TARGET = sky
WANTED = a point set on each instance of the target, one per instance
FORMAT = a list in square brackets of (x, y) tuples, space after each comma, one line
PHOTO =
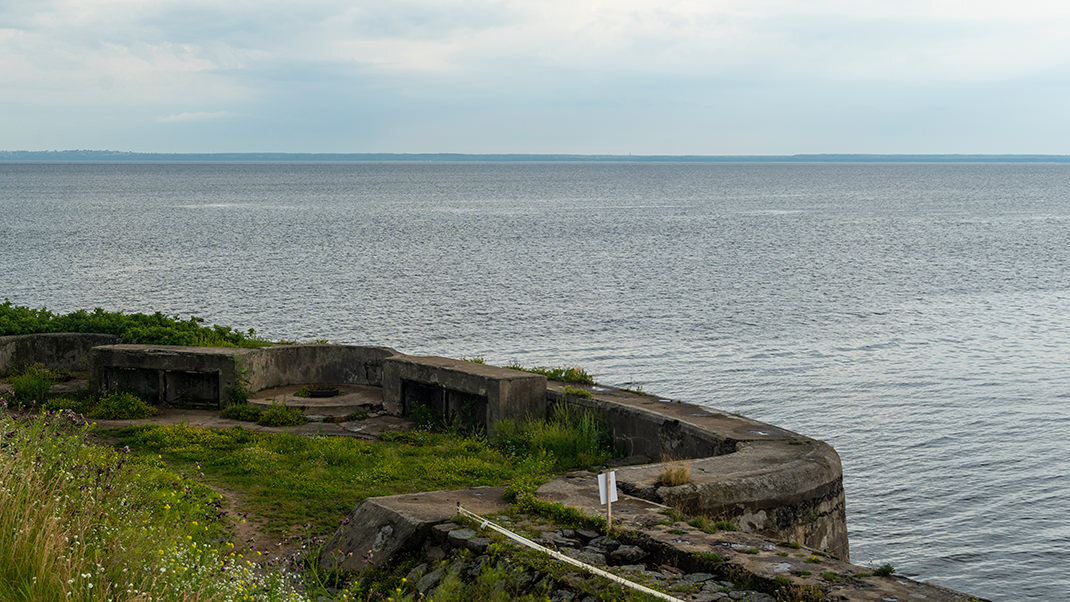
[(677, 77)]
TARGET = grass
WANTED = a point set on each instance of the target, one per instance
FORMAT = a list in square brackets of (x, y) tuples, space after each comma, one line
[(31, 386), (576, 438), (152, 329), (675, 473), (293, 480), (573, 374), (79, 521)]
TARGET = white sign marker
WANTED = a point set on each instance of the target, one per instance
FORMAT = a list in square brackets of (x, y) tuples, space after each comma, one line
[(607, 485)]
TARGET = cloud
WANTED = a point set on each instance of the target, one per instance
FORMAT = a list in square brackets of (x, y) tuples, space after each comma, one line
[(195, 116), (395, 62)]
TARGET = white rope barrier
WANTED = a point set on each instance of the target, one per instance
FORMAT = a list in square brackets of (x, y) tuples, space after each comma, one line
[(484, 523)]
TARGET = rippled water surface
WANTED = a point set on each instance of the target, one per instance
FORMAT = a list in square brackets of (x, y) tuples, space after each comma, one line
[(914, 316)]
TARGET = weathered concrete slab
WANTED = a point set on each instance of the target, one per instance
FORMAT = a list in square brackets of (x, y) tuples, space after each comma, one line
[(752, 554), (473, 393), (58, 351), (382, 527)]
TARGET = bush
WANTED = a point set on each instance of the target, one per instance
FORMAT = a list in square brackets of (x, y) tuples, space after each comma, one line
[(31, 387), (152, 329), (121, 406), (281, 415), (242, 411), (56, 404)]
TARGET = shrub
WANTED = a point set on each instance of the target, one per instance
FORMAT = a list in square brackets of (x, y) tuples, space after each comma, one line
[(31, 387), (56, 404), (121, 406), (884, 570), (242, 411), (279, 414), (155, 329)]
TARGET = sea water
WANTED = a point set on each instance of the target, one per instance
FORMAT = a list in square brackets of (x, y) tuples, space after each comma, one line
[(916, 317)]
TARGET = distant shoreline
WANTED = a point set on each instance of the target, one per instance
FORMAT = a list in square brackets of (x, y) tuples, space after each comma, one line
[(104, 156)]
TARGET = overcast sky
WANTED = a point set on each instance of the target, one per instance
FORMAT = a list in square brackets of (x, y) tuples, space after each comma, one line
[(547, 76)]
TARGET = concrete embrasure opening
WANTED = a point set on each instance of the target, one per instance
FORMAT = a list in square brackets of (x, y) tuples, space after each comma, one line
[(440, 403)]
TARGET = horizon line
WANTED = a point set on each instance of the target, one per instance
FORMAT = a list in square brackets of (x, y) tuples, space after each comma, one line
[(87, 155)]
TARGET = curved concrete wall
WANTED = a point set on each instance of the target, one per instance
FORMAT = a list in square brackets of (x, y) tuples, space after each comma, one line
[(762, 478), (301, 364), (59, 351)]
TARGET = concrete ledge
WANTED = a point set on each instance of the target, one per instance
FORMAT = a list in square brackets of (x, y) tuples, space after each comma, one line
[(762, 478), (59, 351)]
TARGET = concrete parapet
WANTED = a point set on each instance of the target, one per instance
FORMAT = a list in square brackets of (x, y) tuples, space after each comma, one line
[(762, 478), (302, 364), (59, 351), (477, 394)]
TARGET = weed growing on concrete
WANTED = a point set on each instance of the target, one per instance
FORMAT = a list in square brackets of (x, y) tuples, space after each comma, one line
[(574, 374), (885, 570), (675, 473), (576, 392)]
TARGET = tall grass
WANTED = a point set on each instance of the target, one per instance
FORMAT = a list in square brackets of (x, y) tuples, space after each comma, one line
[(83, 522), (576, 438)]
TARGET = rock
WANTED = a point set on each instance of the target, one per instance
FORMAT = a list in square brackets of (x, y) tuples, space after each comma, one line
[(441, 531), (562, 595), (478, 545), (627, 555), (429, 580), (710, 597), (605, 543), (700, 577), (416, 573), (435, 553), (458, 538), (588, 556), (586, 534)]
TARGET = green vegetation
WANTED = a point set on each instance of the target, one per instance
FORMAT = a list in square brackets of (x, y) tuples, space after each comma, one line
[(83, 522), (576, 438), (120, 406), (242, 411), (155, 329), (574, 374), (31, 387), (885, 570), (279, 414), (293, 480), (576, 392)]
